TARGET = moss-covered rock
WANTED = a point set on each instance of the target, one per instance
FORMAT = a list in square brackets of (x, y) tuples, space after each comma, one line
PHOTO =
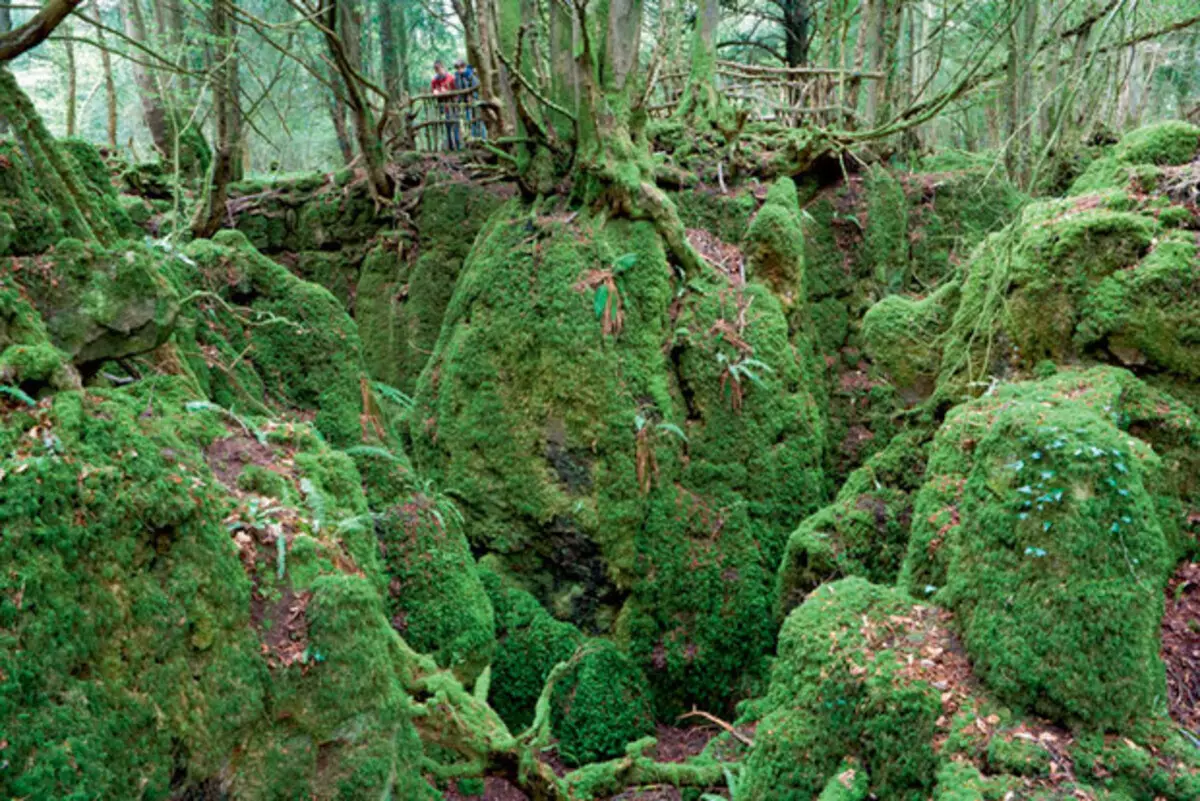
[(1164, 143), (775, 243), (34, 223), (291, 343), (839, 689), (599, 704), (98, 303), (145, 650), (529, 643), (864, 532), (436, 599), (1044, 522), (901, 335), (1093, 278), (561, 401)]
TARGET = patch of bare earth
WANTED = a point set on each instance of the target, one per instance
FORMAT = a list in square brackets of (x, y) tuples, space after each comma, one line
[(1181, 645)]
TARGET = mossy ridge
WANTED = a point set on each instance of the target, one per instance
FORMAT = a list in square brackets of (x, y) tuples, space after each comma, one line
[(1139, 156), (567, 444), (294, 344)]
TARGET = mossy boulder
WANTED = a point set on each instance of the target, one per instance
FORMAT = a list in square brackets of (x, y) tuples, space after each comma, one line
[(864, 532), (1048, 530), (1139, 157), (600, 704), (638, 467), (840, 688), (435, 597), (143, 646), (901, 336), (1095, 278), (100, 304), (775, 243)]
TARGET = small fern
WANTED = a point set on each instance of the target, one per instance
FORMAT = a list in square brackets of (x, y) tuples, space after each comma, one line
[(315, 502), (208, 406), (393, 395)]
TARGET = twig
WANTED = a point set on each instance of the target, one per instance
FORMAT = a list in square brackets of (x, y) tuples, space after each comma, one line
[(737, 735)]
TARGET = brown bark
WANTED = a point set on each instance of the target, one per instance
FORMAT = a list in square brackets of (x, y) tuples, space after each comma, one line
[(110, 84), (152, 108), (36, 30), (72, 81), (222, 69)]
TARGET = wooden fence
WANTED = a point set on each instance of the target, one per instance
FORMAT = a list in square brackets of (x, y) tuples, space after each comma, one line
[(448, 120), (789, 96)]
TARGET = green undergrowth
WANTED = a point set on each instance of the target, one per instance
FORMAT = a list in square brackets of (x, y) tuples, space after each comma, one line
[(1139, 157)]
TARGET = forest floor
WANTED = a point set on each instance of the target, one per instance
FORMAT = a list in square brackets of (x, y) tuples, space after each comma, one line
[(1181, 645), (675, 744)]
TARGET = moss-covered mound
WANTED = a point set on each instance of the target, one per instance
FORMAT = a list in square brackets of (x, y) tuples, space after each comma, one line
[(1139, 156), (1052, 532), (436, 599), (872, 696), (635, 460), (529, 643), (162, 632), (1106, 277), (864, 532), (257, 337), (599, 705)]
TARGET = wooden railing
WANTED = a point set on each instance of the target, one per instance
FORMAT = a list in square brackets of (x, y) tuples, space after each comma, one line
[(787, 96), (448, 120)]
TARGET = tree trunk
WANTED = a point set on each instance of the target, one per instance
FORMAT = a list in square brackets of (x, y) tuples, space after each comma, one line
[(702, 105), (1019, 93), (72, 81), (110, 84), (222, 72), (152, 108), (797, 19), (5, 28), (564, 72), (341, 34)]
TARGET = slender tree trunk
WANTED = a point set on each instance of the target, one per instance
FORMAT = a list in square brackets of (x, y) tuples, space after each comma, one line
[(341, 33), (5, 27), (1019, 93), (152, 108), (222, 72), (564, 72), (797, 19), (72, 81), (110, 84)]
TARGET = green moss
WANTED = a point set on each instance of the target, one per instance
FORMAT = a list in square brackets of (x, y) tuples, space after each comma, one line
[(599, 705), (436, 599), (1164, 143), (885, 235), (775, 243), (726, 216), (531, 412), (101, 304), (864, 532), (35, 223), (902, 336), (297, 344), (1042, 519), (529, 643), (849, 783), (837, 691), (1007, 753), (94, 170)]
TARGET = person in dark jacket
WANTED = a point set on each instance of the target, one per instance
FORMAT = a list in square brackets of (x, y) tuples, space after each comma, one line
[(465, 78)]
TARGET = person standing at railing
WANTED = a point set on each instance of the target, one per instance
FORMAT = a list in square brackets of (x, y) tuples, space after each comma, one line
[(442, 83), (465, 78)]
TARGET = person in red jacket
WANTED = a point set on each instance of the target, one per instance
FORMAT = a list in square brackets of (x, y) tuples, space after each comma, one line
[(443, 81)]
